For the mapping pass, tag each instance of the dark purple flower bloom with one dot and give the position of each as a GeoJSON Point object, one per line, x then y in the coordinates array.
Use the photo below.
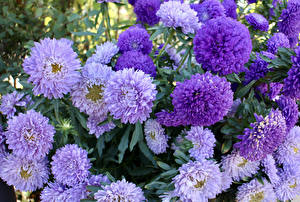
{"type": "Point", "coordinates": [276, 41]}
{"type": "Point", "coordinates": [132, 2]}
{"type": "Point", "coordinates": [274, 4]}
{"type": "Point", "coordinates": [264, 136]}
{"type": "Point", "coordinates": [146, 11]}
{"type": "Point", "coordinates": [230, 8]}
{"type": "Point", "coordinates": [272, 90]}
{"type": "Point", "coordinates": [169, 119]}
{"type": "Point", "coordinates": [257, 21]}
{"type": "Point", "coordinates": [135, 39]}
{"type": "Point", "coordinates": [289, 109]}
{"type": "Point", "coordinates": [223, 45]}
{"type": "Point", "coordinates": [208, 9]}
{"type": "Point", "coordinates": [136, 60]}
{"type": "Point", "coordinates": [251, 1]}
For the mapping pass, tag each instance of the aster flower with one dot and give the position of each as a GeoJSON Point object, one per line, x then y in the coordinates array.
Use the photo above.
{"type": "Point", "coordinates": [289, 109]}
{"type": "Point", "coordinates": [198, 181]}
{"type": "Point", "coordinates": [132, 2]}
{"type": "Point", "coordinates": [237, 167]}
{"type": "Point", "coordinates": [203, 143]}
{"type": "Point", "coordinates": [52, 67]}
{"type": "Point", "coordinates": [251, 1]}
{"type": "Point", "coordinates": [230, 8]}
{"type": "Point", "coordinates": [104, 53]}
{"type": "Point", "coordinates": [97, 180]}
{"type": "Point", "coordinates": [169, 119]}
{"type": "Point", "coordinates": [223, 45]}
{"type": "Point", "coordinates": [23, 174]}
{"type": "Point", "coordinates": [276, 41]}
{"type": "Point", "coordinates": [135, 39]}
{"type": "Point", "coordinates": [120, 191]}
{"type": "Point", "coordinates": [129, 95]}
{"type": "Point", "coordinates": [56, 192]}
{"type": "Point", "coordinates": [257, 21]}
{"type": "Point", "coordinates": [94, 127]}
{"type": "Point", "coordinates": [88, 94]}
{"type": "Point", "coordinates": [136, 60]}
{"type": "Point", "coordinates": [270, 169]}
{"type": "Point", "coordinates": [155, 136]}
{"type": "Point", "coordinates": [3, 150]}
{"type": "Point", "coordinates": [29, 135]}
{"type": "Point", "coordinates": [179, 15]}
{"type": "Point", "coordinates": [274, 4]}
{"type": "Point", "coordinates": [255, 191]}
{"type": "Point", "coordinates": [70, 165]}
{"type": "Point", "coordinates": [10, 101]}
{"type": "Point", "coordinates": [289, 151]}
{"type": "Point", "coordinates": [146, 11]}
{"type": "Point", "coordinates": [272, 90]}
{"type": "Point", "coordinates": [208, 9]}
{"type": "Point", "coordinates": [264, 136]}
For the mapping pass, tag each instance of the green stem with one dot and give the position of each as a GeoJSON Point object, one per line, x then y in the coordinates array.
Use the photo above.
{"type": "Point", "coordinates": [165, 45]}
{"type": "Point", "coordinates": [106, 16]}
{"type": "Point", "coordinates": [184, 59]}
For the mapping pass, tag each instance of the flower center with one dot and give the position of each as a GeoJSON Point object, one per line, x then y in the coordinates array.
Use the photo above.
{"type": "Point", "coordinates": [296, 149]}
{"type": "Point", "coordinates": [258, 197]}
{"type": "Point", "coordinates": [29, 136]}
{"type": "Point", "coordinates": [95, 93]}
{"type": "Point", "coordinates": [56, 67]}
{"type": "Point", "coordinates": [243, 163]}
{"type": "Point", "coordinates": [199, 184]}
{"type": "Point", "coordinates": [25, 174]}
{"type": "Point", "coordinates": [293, 186]}
{"type": "Point", "coordinates": [152, 135]}
{"type": "Point", "coordinates": [135, 45]}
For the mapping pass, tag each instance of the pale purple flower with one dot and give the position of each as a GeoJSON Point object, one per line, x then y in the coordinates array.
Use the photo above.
{"type": "Point", "coordinates": [226, 181]}
{"type": "Point", "coordinates": [94, 127]}
{"type": "Point", "coordinates": [9, 103]}
{"type": "Point", "coordinates": [103, 53]}
{"type": "Point", "coordinates": [270, 169]}
{"type": "Point", "coordinates": [97, 180]}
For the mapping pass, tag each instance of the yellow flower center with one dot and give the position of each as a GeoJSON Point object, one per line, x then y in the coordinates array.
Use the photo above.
{"type": "Point", "coordinates": [258, 197]}
{"type": "Point", "coordinates": [243, 163]}
{"type": "Point", "coordinates": [152, 135]}
{"type": "Point", "coordinates": [199, 184]}
{"type": "Point", "coordinates": [25, 174]}
{"type": "Point", "coordinates": [29, 136]}
{"type": "Point", "coordinates": [56, 67]}
{"type": "Point", "coordinates": [293, 186]}
{"type": "Point", "coordinates": [296, 149]}
{"type": "Point", "coordinates": [95, 93]}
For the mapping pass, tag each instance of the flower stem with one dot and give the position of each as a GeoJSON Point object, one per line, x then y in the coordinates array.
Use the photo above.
{"type": "Point", "coordinates": [107, 19]}
{"type": "Point", "coordinates": [184, 59]}
{"type": "Point", "coordinates": [165, 45]}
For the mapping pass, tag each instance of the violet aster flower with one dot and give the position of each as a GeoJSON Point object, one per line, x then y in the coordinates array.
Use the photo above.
{"type": "Point", "coordinates": [198, 181]}
{"type": "Point", "coordinates": [208, 9]}
{"type": "Point", "coordinates": [274, 3]}
{"type": "Point", "coordinates": [226, 181]}
{"type": "Point", "coordinates": [146, 11]}
{"type": "Point", "coordinates": [10, 101]}
{"type": "Point", "coordinates": [129, 95]}
{"type": "Point", "coordinates": [251, 1]}
{"type": "Point", "coordinates": [289, 109]}
{"type": "Point", "coordinates": [257, 21]}
{"type": "Point", "coordinates": [289, 151]}
{"type": "Point", "coordinates": [179, 15]}
{"type": "Point", "coordinates": [56, 192]}
{"type": "Point", "coordinates": [102, 1]}
{"type": "Point", "coordinates": [132, 2]}
{"type": "Point", "coordinates": [104, 53]}
{"type": "Point", "coordinates": [136, 60]}
{"type": "Point", "coordinates": [23, 174]}
{"type": "Point", "coordinates": [169, 119]}
{"type": "Point", "coordinates": [155, 136]}
{"type": "Point", "coordinates": [94, 128]}
{"type": "Point", "coordinates": [223, 45]}
{"type": "Point", "coordinates": [120, 191]}
{"type": "Point", "coordinates": [255, 191]}
{"type": "Point", "coordinates": [29, 135]}
{"type": "Point", "coordinates": [3, 149]}
{"type": "Point", "coordinates": [88, 94]}
{"type": "Point", "coordinates": [135, 39]}
{"type": "Point", "coordinates": [276, 41]}
{"type": "Point", "coordinates": [230, 8]}
{"type": "Point", "coordinates": [203, 142]}
{"type": "Point", "coordinates": [264, 136]}
{"type": "Point", "coordinates": [237, 167]}
{"type": "Point", "coordinates": [97, 180]}
{"type": "Point", "coordinates": [272, 90]}
{"type": "Point", "coordinates": [270, 169]}
{"type": "Point", "coordinates": [52, 67]}
{"type": "Point", "coordinates": [70, 165]}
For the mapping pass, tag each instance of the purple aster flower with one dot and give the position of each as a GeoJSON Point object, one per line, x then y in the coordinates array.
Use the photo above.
{"type": "Point", "coordinates": [88, 94]}
{"type": "Point", "coordinates": [179, 15]}
{"type": "Point", "coordinates": [102, 1]}
{"type": "Point", "coordinates": [23, 174]}
{"type": "Point", "coordinates": [198, 181]}
{"type": "Point", "coordinates": [289, 109]}
{"type": "Point", "coordinates": [70, 165]}
{"type": "Point", "coordinates": [238, 167]}
{"type": "Point", "coordinates": [135, 39]}
{"type": "Point", "coordinates": [272, 90]}
{"type": "Point", "coordinates": [203, 143]}
{"type": "Point", "coordinates": [256, 191]}
{"type": "Point", "coordinates": [223, 45]}
{"type": "Point", "coordinates": [56, 192]}
{"type": "Point", "coordinates": [270, 169]}
{"type": "Point", "coordinates": [3, 149]}
{"type": "Point", "coordinates": [169, 119]}
{"type": "Point", "coordinates": [230, 8]}
{"type": "Point", "coordinates": [129, 95]}
{"type": "Point", "coordinates": [257, 21]}
{"type": "Point", "coordinates": [274, 4]}
{"type": "Point", "coordinates": [264, 136]}
{"type": "Point", "coordinates": [132, 2]}
{"type": "Point", "coordinates": [208, 9]}
{"type": "Point", "coordinates": [120, 191]}
{"type": "Point", "coordinates": [104, 53]}
{"type": "Point", "coordinates": [10, 101]}
{"type": "Point", "coordinates": [155, 136]}
{"type": "Point", "coordinates": [29, 135]}
{"type": "Point", "coordinates": [146, 11]}
{"type": "Point", "coordinates": [66, 41]}
{"type": "Point", "coordinates": [289, 151]}
{"type": "Point", "coordinates": [276, 41]}
{"type": "Point", "coordinates": [97, 180]}
{"type": "Point", "coordinates": [94, 127]}
{"type": "Point", "coordinates": [136, 60]}
{"type": "Point", "coordinates": [251, 1]}
{"type": "Point", "coordinates": [226, 181]}
{"type": "Point", "coordinates": [52, 67]}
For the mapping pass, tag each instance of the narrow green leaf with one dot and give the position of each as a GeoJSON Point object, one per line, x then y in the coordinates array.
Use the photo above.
{"type": "Point", "coordinates": [123, 144]}
{"type": "Point", "coordinates": [136, 136]}
{"type": "Point", "coordinates": [226, 146]}
{"type": "Point", "coordinates": [100, 145]}
{"type": "Point", "coordinates": [145, 150]}
{"type": "Point", "coordinates": [181, 155]}
{"type": "Point", "coordinates": [163, 165]}
{"type": "Point", "coordinates": [244, 90]}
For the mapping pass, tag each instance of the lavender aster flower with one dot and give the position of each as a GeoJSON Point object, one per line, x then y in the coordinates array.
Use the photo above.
{"type": "Point", "coordinates": [264, 136]}
{"type": "Point", "coordinates": [155, 136]}
{"type": "Point", "coordinates": [138, 61]}
{"type": "Point", "coordinates": [198, 181]}
{"type": "Point", "coordinates": [230, 8]}
{"type": "Point", "coordinates": [203, 143]}
{"type": "Point", "coordinates": [97, 180]}
{"type": "Point", "coordinates": [135, 39]}
{"type": "Point", "coordinates": [52, 67]}
{"type": "Point", "coordinates": [289, 109]}
{"type": "Point", "coordinates": [10, 101]}
{"type": "Point", "coordinates": [208, 9]}
{"type": "Point", "coordinates": [257, 21]}
{"type": "Point", "coordinates": [70, 165]}
{"type": "Point", "coordinates": [129, 95]}
{"type": "Point", "coordinates": [238, 167]}
{"type": "Point", "coordinates": [103, 53]}
{"type": "Point", "coordinates": [25, 175]}
{"type": "Point", "coordinates": [255, 191]}
{"type": "Point", "coordinates": [94, 128]}
{"type": "Point", "coordinates": [270, 169]}
{"type": "Point", "coordinates": [276, 41]}
{"type": "Point", "coordinates": [179, 15]}
{"type": "Point", "coordinates": [3, 150]}
{"type": "Point", "coordinates": [223, 45]}
{"type": "Point", "coordinates": [120, 191]}
{"type": "Point", "coordinates": [29, 135]}
{"type": "Point", "coordinates": [146, 11]}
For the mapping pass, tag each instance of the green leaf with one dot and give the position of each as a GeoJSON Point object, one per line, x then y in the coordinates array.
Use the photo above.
{"type": "Point", "coordinates": [156, 33]}
{"type": "Point", "coordinates": [145, 150]}
{"type": "Point", "coordinates": [179, 154]}
{"type": "Point", "coordinates": [137, 135]}
{"type": "Point", "coordinates": [163, 165]}
{"type": "Point", "coordinates": [226, 146]}
{"type": "Point", "coordinates": [100, 145]}
{"type": "Point", "coordinates": [123, 144]}
{"type": "Point", "coordinates": [92, 188]}
{"type": "Point", "coordinates": [169, 173]}
{"type": "Point", "coordinates": [244, 90]}
{"type": "Point", "coordinates": [37, 103]}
